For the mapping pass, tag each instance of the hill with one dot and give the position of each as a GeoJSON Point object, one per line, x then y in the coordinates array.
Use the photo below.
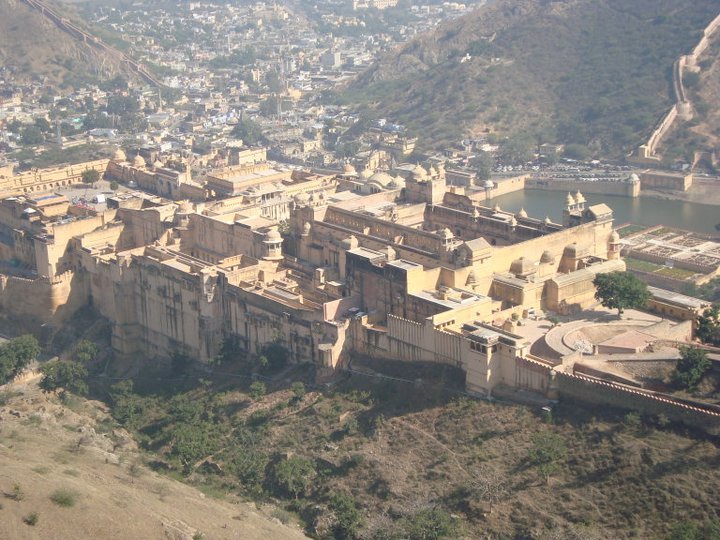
{"type": "Point", "coordinates": [33, 48]}
{"type": "Point", "coordinates": [597, 72]}
{"type": "Point", "coordinates": [83, 479]}
{"type": "Point", "coordinates": [702, 132]}
{"type": "Point", "coordinates": [402, 457]}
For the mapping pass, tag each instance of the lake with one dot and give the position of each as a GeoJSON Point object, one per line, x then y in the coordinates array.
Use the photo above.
{"type": "Point", "coordinates": [645, 211]}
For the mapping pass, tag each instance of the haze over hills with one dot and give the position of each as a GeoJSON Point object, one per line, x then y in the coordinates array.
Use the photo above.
{"type": "Point", "coordinates": [37, 49]}
{"type": "Point", "coordinates": [597, 72]}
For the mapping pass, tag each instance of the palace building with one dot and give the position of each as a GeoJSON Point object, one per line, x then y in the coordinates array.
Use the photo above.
{"type": "Point", "coordinates": [386, 264]}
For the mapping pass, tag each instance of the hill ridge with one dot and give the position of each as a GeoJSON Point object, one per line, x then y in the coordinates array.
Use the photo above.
{"type": "Point", "coordinates": [591, 71]}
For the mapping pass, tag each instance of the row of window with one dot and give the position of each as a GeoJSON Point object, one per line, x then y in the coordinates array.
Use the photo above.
{"type": "Point", "coordinates": [482, 348]}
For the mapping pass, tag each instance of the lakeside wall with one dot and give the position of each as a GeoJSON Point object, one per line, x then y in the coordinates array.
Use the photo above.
{"type": "Point", "coordinates": [627, 189]}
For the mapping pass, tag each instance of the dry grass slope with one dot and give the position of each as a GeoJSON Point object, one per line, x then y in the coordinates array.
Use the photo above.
{"type": "Point", "coordinates": [83, 481]}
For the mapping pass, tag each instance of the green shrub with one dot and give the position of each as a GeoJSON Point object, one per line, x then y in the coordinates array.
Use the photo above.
{"type": "Point", "coordinates": [17, 493]}
{"type": "Point", "coordinates": [298, 389]}
{"type": "Point", "coordinates": [257, 390]}
{"type": "Point", "coordinates": [430, 524]}
{"type": "Point", "coordinates": [292, 476]}
{"type": "Point", "coordinates": [283, 516]}
{"type": "Point", "coordinates": [31, 519]}
{"type": "Point", "coordinates": [348, 518]}
{"type": "Point", "coordinates": [64, 497]}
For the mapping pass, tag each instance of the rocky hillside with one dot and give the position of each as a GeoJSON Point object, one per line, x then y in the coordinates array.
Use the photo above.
{"type": "Point", "coordinates": [33, 48]}
{"type": "Point", "coordinates": [591, 71]}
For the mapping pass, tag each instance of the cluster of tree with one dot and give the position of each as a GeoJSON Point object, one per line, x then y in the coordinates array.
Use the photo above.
{"type": "Point", "coordinates": [691, 367]}
{"type": "Point", "coordinates": [708, 326]}
{"type": "Point", "coordinates": [121, 112]}
{"type": "Point", "coordinates": [31, 134]}
{"type": "Point", "coordinates": [249, 131]}
{"type": "Point", "coordinates": [16, 354]}
{"type": "Point", "coordinates": [246, 56]}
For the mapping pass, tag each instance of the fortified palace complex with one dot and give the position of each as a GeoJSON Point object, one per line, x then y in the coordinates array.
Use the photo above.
{"type": "Point", "coordinates": [399, 267]}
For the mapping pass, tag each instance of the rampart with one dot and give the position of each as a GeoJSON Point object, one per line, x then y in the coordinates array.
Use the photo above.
{"type": "Point", "coordinates": [43, 299]}
{"type": "Point", "coordinates": [591, 390]}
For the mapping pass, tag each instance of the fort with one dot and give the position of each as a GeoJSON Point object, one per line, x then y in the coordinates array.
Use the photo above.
{"type": "Point", "coordinates": [389, 264]}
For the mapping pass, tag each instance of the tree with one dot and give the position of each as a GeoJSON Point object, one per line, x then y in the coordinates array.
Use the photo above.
{"type": "Point", "coordinates": [518, 149]}
{"type": "Point", "coordinates": [708, 326]}
{"type": "Point", "coordinates": [277, 356]}
{"type": "Point", "coordinates": [32, 135]}
{"type": "Point", "coordinates": [16, 354]}
{"type": "Point", "coordinates": [64, 375]}
{"type": "Point", "coordinates": [691, 367]}
{"type": "Point", "coordinates": [43, 125]}
{"type": "Point", "coordinates": [85, 351]}
{"type": "Point", "coordinates": [249, 131]}
{"type": "Point", "coordinates": [547, 451]}
{"type": "Point", "coordinates": [621, 291]}
{"type": "Point", "coordinates": [577, 151]}
{"type": "Point", "coordinates": [90, 176]}
{"type": "Point", "coordinates": [483, 164]}
{"type": "Point", "coordinates": [292, 476]}
{"type": "Point", "coordinates": [127, 407]}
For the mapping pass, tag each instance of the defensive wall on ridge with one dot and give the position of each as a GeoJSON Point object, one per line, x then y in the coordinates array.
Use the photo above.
{"type": "Point", "coordinates": [92, 41]}
{"type": "Point", "coordinates": [682, 106]}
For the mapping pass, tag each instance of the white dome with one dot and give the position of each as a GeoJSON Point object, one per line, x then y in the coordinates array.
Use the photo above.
{"type": "Point", "coordinates": [273, 236]}
{"type": "Point", "coordinates": [119, 155]}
